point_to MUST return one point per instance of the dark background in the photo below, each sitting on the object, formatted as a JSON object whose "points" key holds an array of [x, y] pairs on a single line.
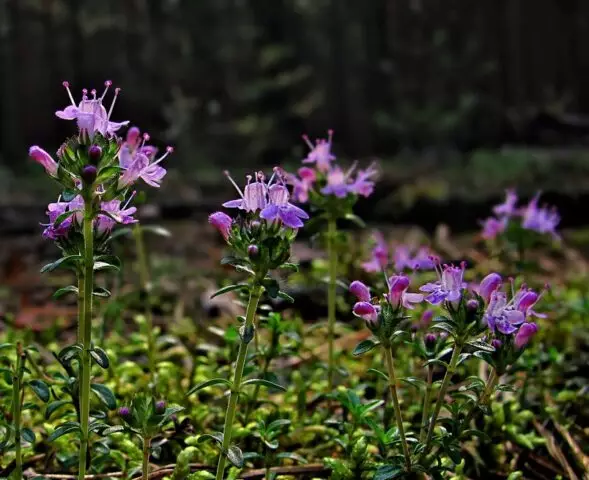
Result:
{"points": [[436, 89]]}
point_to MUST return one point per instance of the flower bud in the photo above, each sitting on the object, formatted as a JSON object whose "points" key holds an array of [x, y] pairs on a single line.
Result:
{"points": [[472, 305], [496, 344], [368, 312], [489, 284], [360, 291], [124, 412], [430, 341], [222, 222], [253, 251], [160, 407], [524, 334], [133, 135], [398, 286], [255, 225], [94, 154], [88, 174]]}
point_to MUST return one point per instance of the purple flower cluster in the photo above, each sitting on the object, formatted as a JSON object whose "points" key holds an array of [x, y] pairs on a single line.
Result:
{"points": [[398, 297], [449, 286], [533, 217], [510, 316], [402, 257], [327, 177]]}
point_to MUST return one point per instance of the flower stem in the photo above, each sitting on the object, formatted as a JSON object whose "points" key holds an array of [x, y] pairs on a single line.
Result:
{"points": [[85, 330], [238, 374], [145, 465], [16, 408], [441, 394], [144, 278], [331, 297], [388, 353], [484, 399], [426, 402]]}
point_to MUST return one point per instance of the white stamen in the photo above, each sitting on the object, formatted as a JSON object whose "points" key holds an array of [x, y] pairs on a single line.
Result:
{"points": [[308, 142], [69, 92], [107, 85], [226, 172], [112, 105]]}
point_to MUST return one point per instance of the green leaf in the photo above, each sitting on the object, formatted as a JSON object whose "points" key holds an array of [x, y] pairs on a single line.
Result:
{"points": [[355, 219], [64, 262], [64, 429], [364, 346], [41, 389], [476, 433], [228, 288], [291, 456], [209, 383], [285, 296], [105, 266], [446, 327], [107, 173], [156, 230], [100, 357], [64, 216], [481, 346], [235, 456], [290, 266], [54, 406], [101, 292], [113, 429], [69, 352], [388, 472], [414, 382], [105, 395], [28, 435], [271, 287], [264, 383], [69, 194], [217, 437], [65, 290], [379, 373], [504, 387]]}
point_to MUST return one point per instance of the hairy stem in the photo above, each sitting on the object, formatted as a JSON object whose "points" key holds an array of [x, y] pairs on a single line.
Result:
{"points": [[331, 297], [145, 279], [17, 407], [426, 402], [145, 465], [238, 374], [85, 330], [441, 394], [388, 353]]}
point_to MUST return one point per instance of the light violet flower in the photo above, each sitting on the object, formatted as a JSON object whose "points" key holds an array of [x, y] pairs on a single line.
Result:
{"points": [[402, 258], [489, 284], [501, 315], [116, 214], [55, 210], [90, 114], [507, 208], [379, 255], [524, 334], [44, 159], [360, 291], [222, 222], [398, 296], [302, 184], [320, 153], [493, 226], [448, 287], [363, 185], [253, 197], [279, 208], [525, 299], [540, 219], [368, 312], [138, 160], [337, 182]]}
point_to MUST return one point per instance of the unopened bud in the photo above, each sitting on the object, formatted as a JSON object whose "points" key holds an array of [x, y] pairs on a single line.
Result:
{"points": [[160, 407], [124, 412], [430, 341], [253, 251], [255, 225], [89, 173], [496, 344], [472, 305], [94, 153]]}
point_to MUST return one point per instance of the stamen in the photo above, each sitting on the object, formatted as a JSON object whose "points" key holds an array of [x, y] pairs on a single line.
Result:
{"points": [[93, 92], [351, 169], [329, 136], [307, 141], [129, 200], [107, 85], [112, 105], [226, 172], [66, 85], [168, 151]]}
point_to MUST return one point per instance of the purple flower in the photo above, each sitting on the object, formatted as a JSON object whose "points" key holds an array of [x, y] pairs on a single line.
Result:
{"points": [[424, 259], [222, 222], [507, 208], [501, 315], [368, 312], [337, 183], [90, 114], [253, 197], [426, 319], [55, 210], [525, 299], [363, 185], [524, 334], [124, 412], [398, 296], [493, 227], [44, 159], [279, 208], [360, 291], [402, 258], [138, 160], [449, 286], [380, 255], [115, 213], [320, 153], [540, 219], [489, 284], [302, 184]]}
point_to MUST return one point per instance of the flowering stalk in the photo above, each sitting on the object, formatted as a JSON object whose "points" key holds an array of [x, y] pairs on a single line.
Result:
{"points": [[17, 407], [331, 296], [85, 328], [426, 402], [442, 393], [237, 376], [144, 278], [145, 463], [388, 354]]}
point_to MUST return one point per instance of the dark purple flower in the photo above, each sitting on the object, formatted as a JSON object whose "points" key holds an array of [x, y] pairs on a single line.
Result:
{"points": [[524, 334], [253, 197], [380, 255], [222, 222], [94, 153], [507, 208], [320, 153], [489, 284], [449, 286], [160, 407], [426, 319], [253, 251], [430, 341], [360, 291], [44, 159], [124, 412], [90, 114], [89, 174], [279, 208]]}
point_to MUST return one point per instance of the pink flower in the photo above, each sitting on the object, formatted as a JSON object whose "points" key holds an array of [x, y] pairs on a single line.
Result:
{"points": [[360, 291], [320, 153], [115, 213], [380, 255], [44, 159], [253, 197], [489, 284], [524, 334], [222, 222], [366, 311], [398, 296], [138, 160]]}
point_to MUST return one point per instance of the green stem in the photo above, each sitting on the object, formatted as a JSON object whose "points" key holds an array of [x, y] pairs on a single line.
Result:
{"points": [[331, 297], [144, 278], [388, 353], [426, 402], [441, 394], [146, 449], [238, 374], [485, 397], [85, 329], [16, 409]]}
